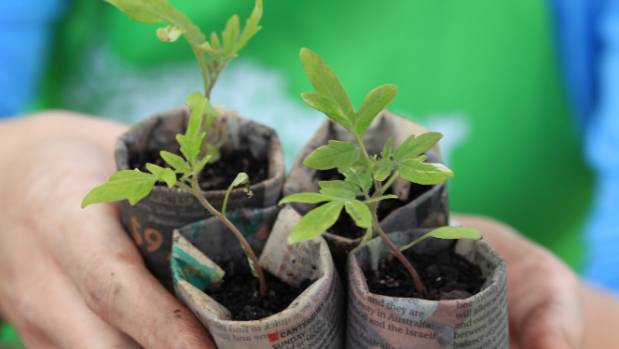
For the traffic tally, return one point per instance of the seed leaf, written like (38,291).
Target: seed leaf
(373,104)
(305,198)
(447,233)
(316,222)
(332,155)
(131,185)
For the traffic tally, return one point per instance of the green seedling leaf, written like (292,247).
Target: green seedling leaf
(339,190)
(176,162)
(327,106)
(305,198)
(387,149)
(413,146)
(326,83)
(131,185)
(373,104)
(240,179)
(191,141)
(169,33)
(359,174)
(381,198)
(446,233)
(252,25)
(333,155)
(416,171)
(145,11)
(316,222)
(383,169)
(162,174)
(201,164)
(230,36)
(367,236)
(359,212)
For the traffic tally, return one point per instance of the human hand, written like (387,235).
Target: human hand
(71,278)
(545,297)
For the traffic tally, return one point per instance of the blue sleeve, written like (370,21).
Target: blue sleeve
(25,31)
(603,152)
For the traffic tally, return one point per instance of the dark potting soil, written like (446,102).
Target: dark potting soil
(346,227)
(446,275)
(217,175)
(239,293)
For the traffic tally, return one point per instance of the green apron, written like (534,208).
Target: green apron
(484,72)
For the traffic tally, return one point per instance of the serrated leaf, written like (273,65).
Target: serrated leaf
(162,174)
(373,104)
(339,190)
(326,82)
(333,155)
(145,11)
(305,198)
(316,222)
(175,161)
(131,185)
(359,212)
(446,233)
(191,141)
(168,33)
(415,146)
(424,173)
(327,106)
(383,169)
(252,25)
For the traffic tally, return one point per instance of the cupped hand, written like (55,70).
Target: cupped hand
(70,277)
(545,297)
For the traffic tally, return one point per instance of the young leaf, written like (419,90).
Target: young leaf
(326,82)
(415,146)
(191,141)
(131,185)
(305,198)
(339,190)
(335,154)
(425,173)
(381,198)
(387,149)
(447,233)
(162,174)
(201,164)
(316,222)
(145,11)
(252,25)
(373,104)
(230,36)
(358,173)
(168,33)
(383,169)
(327,106)
(359,212)
(175,161)
(240,179)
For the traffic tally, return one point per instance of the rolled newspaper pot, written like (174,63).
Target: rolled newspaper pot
(151,222)
(377,321)
(313,320)
(421,206)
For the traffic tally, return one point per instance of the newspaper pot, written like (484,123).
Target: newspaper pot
(420,207)
(151,222)
(377,321)
(312,320)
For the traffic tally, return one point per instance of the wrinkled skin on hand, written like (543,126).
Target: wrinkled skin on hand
(70,277)
(545,297)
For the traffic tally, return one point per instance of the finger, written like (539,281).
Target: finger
(48,310)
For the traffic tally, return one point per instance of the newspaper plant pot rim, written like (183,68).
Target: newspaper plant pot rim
(276,171)
(492,279)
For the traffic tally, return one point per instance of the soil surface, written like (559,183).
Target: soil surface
(346,227)
(239,293)
(446,275)
(217,175)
